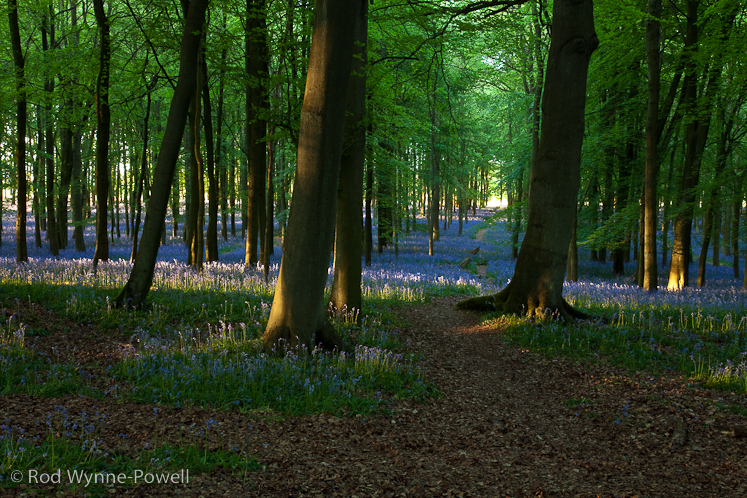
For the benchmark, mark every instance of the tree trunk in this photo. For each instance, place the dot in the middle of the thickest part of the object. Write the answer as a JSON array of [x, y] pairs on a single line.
[[48, 30], [368, 225], [103, 123], [537, 285], [256, 103], [141, 276], [695, 140], [297, 317], [571, 272], [20, 152], [66, 172], [220, 159], [708, 222], [346, 286], [38, 172], [141, 180], [651, 171], [736, 214], [195, 237], [211, 244], [76, 198]]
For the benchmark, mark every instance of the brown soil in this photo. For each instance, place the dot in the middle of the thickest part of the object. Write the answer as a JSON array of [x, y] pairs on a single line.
[[506, 425]]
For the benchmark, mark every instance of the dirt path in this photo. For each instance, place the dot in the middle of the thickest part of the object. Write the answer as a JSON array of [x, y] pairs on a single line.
[[505, 426]]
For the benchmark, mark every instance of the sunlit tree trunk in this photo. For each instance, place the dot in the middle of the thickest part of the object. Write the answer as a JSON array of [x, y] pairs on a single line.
[[297, 316], [537, 284], [651, 204]]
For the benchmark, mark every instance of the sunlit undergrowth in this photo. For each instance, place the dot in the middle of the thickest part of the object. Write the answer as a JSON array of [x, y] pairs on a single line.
[[701, 333]]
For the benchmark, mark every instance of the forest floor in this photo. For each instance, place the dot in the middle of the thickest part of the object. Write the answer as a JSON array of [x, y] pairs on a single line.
[[509, 423]]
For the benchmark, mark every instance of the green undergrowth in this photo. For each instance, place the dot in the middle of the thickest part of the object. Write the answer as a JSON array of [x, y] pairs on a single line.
[[709, 348], [227, 370], [79, 461], [26, 371]]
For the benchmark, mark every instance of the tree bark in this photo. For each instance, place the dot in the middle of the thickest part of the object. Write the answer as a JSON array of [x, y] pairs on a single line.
[[708, 223], [195, 237], [256, 103], [211, 245], [48, 32], [103, 123], [297, 317], [21, 115], [141, 276], [76, 197], [537, 284], [368, 223], [346, 286], [141, 181], [695, 140], [651, 171]]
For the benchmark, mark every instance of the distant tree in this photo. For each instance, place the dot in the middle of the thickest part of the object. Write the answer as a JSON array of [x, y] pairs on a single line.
[[103, 124]]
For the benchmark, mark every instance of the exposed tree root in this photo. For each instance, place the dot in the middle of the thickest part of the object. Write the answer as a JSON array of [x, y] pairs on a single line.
[[509, 301]]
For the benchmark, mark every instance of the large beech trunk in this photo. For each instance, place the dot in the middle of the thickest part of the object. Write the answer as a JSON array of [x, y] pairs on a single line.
[[141, 277], [297, 317], [537, 285]]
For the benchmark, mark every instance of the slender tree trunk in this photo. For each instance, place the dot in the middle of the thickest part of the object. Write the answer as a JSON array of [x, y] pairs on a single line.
[[38, 172], [536, 287], [297, 317], [736, 214], [695, 140], [211, 245], [368, 225], [195, 238], [710, 215], [220, 159], [141, 276], [66, 172], [651, 204], [48, 31], [141, 180], [77, 193], [346, 286], [256, 103], [20, 152], [103, 122]]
